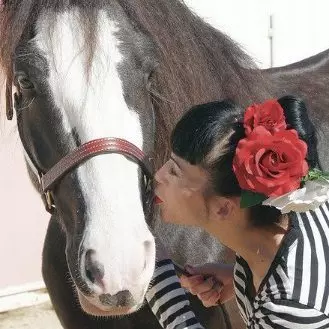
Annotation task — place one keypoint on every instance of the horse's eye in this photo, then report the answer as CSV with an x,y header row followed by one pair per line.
x,y
25,83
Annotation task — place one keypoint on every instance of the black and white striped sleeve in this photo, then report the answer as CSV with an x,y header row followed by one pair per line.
x,y
288,314
168,300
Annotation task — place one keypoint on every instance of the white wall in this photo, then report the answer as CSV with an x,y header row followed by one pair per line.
x,y
301,27
23,220
245,21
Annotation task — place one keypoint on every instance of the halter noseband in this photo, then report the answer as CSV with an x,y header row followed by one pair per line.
x,y
87,151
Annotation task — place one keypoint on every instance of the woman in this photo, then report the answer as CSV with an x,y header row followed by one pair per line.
x,y
249,178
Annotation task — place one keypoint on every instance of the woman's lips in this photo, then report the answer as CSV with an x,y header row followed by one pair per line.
x,y
157,200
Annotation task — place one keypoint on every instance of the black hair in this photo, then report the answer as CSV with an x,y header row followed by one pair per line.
x,y
208,135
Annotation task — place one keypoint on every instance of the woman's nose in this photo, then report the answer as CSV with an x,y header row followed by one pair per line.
x,y
159,175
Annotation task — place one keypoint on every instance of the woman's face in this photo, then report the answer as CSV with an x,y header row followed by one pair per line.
x,y
181,191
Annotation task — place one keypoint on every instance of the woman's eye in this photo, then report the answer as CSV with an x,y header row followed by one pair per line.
x,y
172,171
25,83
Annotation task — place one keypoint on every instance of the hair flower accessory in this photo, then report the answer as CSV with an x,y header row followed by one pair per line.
x,y
269,114
309,197
270,163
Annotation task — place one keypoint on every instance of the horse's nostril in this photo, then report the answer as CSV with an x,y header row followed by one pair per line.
x,y
94,269
106,300
124,298
121,299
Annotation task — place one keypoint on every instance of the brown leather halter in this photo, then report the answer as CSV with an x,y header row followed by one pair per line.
x,y
96,147
87,151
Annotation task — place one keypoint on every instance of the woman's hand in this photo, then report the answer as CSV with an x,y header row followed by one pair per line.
x,y
212,283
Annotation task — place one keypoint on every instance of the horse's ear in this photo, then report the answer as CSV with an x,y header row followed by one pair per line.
x,y
9,100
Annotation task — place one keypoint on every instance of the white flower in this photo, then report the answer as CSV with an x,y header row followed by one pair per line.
x,y
311,196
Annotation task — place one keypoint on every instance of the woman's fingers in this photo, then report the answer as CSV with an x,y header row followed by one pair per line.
x,y
215,290
208,290
192,281
210,298
204,286
198,285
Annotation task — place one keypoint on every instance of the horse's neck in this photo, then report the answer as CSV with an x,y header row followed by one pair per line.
x,y
190,245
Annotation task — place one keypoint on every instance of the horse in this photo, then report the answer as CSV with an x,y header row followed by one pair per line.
x,y
114,77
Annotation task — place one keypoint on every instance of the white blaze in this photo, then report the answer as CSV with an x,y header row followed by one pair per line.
x,y
95,107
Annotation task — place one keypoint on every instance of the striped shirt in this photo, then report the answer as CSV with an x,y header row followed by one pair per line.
x,y
168,300
294,293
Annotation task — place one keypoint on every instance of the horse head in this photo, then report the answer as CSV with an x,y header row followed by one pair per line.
x,y
81,75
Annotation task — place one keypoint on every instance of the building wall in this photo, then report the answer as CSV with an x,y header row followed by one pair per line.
x,y
22,219
300,30
300,26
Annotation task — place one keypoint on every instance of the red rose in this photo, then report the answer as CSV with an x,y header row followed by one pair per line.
x,y
268,114
270,164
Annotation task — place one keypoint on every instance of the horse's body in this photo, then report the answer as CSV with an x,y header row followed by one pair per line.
x,y
168,61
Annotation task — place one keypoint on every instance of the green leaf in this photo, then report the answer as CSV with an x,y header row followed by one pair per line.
x,y
249,199
315,174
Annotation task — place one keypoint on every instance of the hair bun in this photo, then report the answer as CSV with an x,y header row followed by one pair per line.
x,y
297,118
